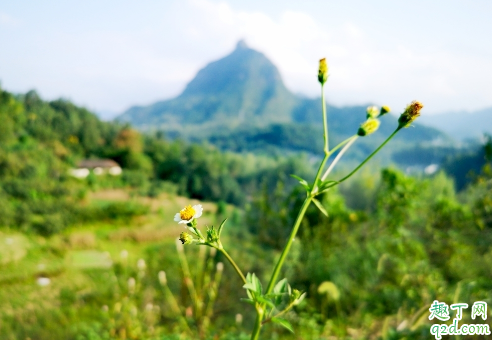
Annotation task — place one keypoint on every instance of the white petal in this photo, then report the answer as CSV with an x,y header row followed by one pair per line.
x,y
183,221
177,217
198,210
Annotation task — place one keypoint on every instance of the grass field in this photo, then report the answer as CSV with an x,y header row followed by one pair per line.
x,y
37,270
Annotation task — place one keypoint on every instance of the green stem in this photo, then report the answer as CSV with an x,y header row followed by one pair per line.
x,y
367,159
337,158
175,307
212,296
187,273
229,258
325,121
256,330
325,136
278,266
322,165
293,233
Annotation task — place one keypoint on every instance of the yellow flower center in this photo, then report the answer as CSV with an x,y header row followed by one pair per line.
x,y
187,213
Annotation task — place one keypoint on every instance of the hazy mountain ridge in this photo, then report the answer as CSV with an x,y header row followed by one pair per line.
x,y
462,125
240,103
241,87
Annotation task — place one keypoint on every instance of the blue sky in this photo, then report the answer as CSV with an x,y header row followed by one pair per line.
x,y
109,55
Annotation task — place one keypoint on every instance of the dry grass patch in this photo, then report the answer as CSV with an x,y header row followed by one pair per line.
x,y
82,240
143,235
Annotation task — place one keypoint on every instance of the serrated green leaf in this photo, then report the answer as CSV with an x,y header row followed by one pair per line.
x,y
280,287
250,301
262,299
320,207
250,286
257,283
220,227
248,277
249,294
284,323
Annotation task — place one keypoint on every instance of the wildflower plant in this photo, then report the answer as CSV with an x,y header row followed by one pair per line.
x,y
277,298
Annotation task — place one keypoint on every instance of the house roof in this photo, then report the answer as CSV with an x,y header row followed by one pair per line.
x,y
97,163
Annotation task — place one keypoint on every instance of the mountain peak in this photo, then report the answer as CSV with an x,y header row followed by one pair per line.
x,y
244,86
245,74
241,45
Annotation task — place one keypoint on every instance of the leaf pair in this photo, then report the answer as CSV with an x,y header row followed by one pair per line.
x,y
254,289
323,186
273,300
303,182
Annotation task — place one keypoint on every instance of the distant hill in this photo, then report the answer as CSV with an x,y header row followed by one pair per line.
x,y
240,103
243,87
462,125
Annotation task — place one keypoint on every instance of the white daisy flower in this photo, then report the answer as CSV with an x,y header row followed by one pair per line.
x,y
188,214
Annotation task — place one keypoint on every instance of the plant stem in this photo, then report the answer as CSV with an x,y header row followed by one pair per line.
x,y
337,158
175,307
256,330
278,266
187,274
325,136
293,233
367,159
325,120
229,258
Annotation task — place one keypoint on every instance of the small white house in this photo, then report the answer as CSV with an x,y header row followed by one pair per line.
x,y
98,167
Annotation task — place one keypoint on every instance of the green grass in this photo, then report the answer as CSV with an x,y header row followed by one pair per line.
x,y
13,247
89,259
80,260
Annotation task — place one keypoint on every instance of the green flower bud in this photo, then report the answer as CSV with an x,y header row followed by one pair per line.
x,y
368,127
323,71
384,110
372,112
295,294
212,235
185,238
412,112
296,297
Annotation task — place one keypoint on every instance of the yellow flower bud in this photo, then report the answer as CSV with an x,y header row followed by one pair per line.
x,y
412,111
372,112
323,71
384,110
185,238
368,127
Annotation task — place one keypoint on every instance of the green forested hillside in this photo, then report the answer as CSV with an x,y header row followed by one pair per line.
x,y
95,259
40,142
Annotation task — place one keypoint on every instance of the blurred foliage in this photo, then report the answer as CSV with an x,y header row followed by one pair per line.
x,y
465,166
40,141
391,244
418,241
